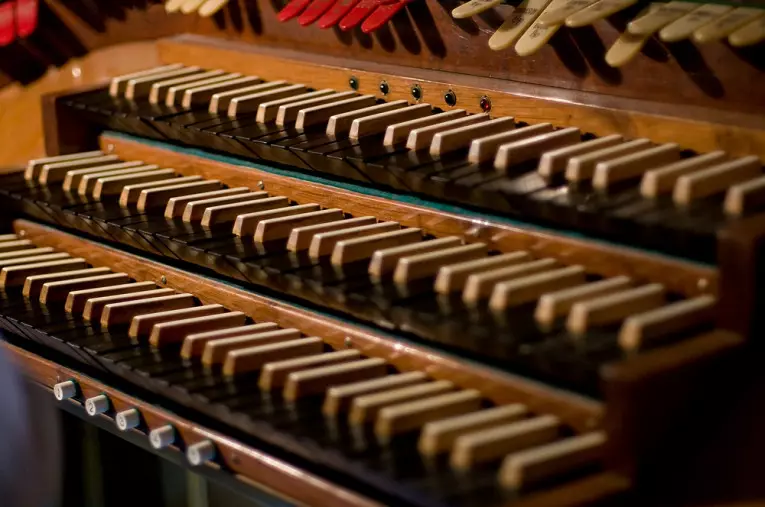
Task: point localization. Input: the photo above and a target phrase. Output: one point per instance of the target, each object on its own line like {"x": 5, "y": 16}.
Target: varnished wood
{"x": 170, "y": 333}
{"x": 216, "y": 350}
{"x": 251, "y": 359}
{"x": 194, "y": 344}
{"x": 338, "y": 399}
{"x": 75, "y": 300}
{"x": 317, "y": 380}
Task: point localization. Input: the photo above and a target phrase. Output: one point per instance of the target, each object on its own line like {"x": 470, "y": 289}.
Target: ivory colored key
{"x": 59, "y": 290}
{"x": 143, "y": 323}
{"x": 480, "y": 285}
{"x": 269, "y": 111}
{"x": 525, "y": 468}
{"x": 316, "y": 115}
{"x": 357, "y": 249}
{"x": 175, "y": 94}
{"x": 88, "y": 182}
{"x": 558, "y": 15}
{"x": 745, "y": 197}
{"x": 195, "y": 210}
{"x": 201, "y": 95}
{"x": 366, "y": 407}
{"x": 176, "y": 205}
{"x": 173, "y": 5}
{"x": 439, "y": 436}
{"x": 118, "y": 84}
{"x": 422, "y": 137}
{"x": 114, "y": 185}
{"x": 158, "y": 197}
{"x": 662, "y": 179}
{"x": 426, "y": 265}
{"x": 288, "y": 113}
{"x": 452, "y": 278}
{"x": 531, "y": 148}
{"x": 625, "y": 48}
{"x": 13, "y": 276}
{"x": 340, "y": 124}
{"x": 215, "y": 351}
{"x": 473, "y": 8}
{"x": 250, "y": 103}
{"x": 170, "y": 333}
{"x": 339, "y": 398}
{"x": 749, "y": 34}
{"x": 280, "y": 228}
{"x": 74, "y": 177}
{"x": 660, "y": 17}
{"x": 727, "y": 24}
{"x": 516, "y": 24}
{"x": 75, "y": 301}
{"x": 33, "y": 259}
{"x": 461, "y": 137}
{"x": 251, "y": 359}
{"x": 194, "y": 344}
{"x": 301, "y": 384}
{"x": 301, "y": 237}
{"x": 684, "y": 27}
{"x": 409, "y": 416}
{"x": 715, "y": 179}
{"x": 190, "y": 6}
{"x": 324, "y": 243}
{"x": 33, "y": 284}
{"x": 633, "y": 165}
{"x": 19, "y": 244}
{"x": 494, "y": 443}
{"x": 553, "y": 162}
{"x": 95, "y": 305}
{"x": 32, "y": 171}
{"x": 124, "y": 311}
{"x": 246, "y": 224}
{"x": 597, "y": 11}
{"x": 525, "y": 290}
{"x": 131, "y": 193}
{"x": 384, "y": 261}
{"x": 54, "y": 173}
{"x": 210, "y": 7}
{"x": 171, "y": 91}
{"x": 654, "y": 326}
{"x": 378, "y": 123}
{"x": 141, "y": 87}
{"x": 399, "y": 132}
{"x": 27, "y": 252}
{"x": 539, "y": 34}
{"x": 8, "y": 237}
{"x": 274, "y": 374}
{"x": 220, "y": 102}
{"x": 485, "y": 148}
{"x": 582, "y": 167}
{"x": 613, "y": 308}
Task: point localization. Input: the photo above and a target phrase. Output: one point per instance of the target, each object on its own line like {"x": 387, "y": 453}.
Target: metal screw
{"x": 450, "y": 98}
{"x": 163, "y": 279}
{"x": 384, "y": 88}
{"x": 416, "y": 92}
{"x": 702, "y": 284}
{"x": 485, "y": 104}
{"x": 261, "y": 185}
{"x": 353, "y": 82}
{"x": 22, "y": 233}
{"x": 348, "y": 343}
{"x": 109, "y": 148}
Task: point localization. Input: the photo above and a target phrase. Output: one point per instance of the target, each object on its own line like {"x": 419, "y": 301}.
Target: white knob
{"x": 65, "y": 390}
{"x": 97, "y": 405}
{"x": 162, "y": 437}
{"x": 201, "y": 452}
{"x": 128, "y": 419}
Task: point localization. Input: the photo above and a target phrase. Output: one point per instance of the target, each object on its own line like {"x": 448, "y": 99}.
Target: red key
{"x": 315, "y": 11}
{"x": 7, "y": 24}
{"x": 336, "y": 13}
{"x": 26, "y": 17}
{"x": 358, "y": 14}
{"x": 382, "y": 15}
{"x": 292, "y": 9}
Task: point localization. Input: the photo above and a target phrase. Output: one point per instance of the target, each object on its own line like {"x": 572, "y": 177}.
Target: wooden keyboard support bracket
{"x": 64, "y": 131}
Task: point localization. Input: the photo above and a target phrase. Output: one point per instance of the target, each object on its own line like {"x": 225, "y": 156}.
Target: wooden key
{"x": 422, "y": 137}
{"x": 539, "y": 34}
{"x": 727, "y": 24}
{"x": 399, "y": 132}
{"x": 32, "y": 171}
{"x": 94, "y": 306}
{"x": 281, "y": 228}
{"x": 156, "y": 89}
{"x": 76, "y": 299}
{"x": 176, "y": 205}
{"x": 246, "y": 224}
{"x": 357, "y": 249}
{"x": 301, "y": 237}
{"x": 582, "y": 167}
{"x": 715, "y": 179}
{"x": 340, "y": 124}
{"x": 144, "y": 322}
{"x": 158, "y": 197}
{"x": 118, "y": 84}
{"x": 73, "y": 177}
{"x": 494, "y": 443}
{"x": 531, "y": 148}
{"x": 426, "y": 265}
{"x": 316, "y": 115}
{"x": 174, "y": 93}
{"x": 141, "y": 87}
{"x": 654, "y": 326}
{"x": 33, "y": 285}
{"x": 684, "y": 27}
{"x": 215, "y": 351}
{"x": 525, "y": 290}
{"x": 171, "y": 333}
{"x": 33, "y": 258}
{"x": 269, "y": 111}
{"x": 16, "y": 245}
{"x": 366, "y": 407}
{"x": 473, "y": 8}
{"x": 301, "y": 384}
{"x": 525, "y": 468}
{"x": 516, "y": 24}
{"x": 246, "y": 360}
{"x": 250, "y": 103}
{"x": 201, "y": 95}
{"x": 131, "y": 193}
{"x": 54, "y": 173}
{"x": 554, "y": 162}
{"x": 114, "y": 185}
{"x": 88, "y": 182}
{"x": 452, "y": 278}
{"x": 56, "y": 286}
{"x": 660, "y": 17}
{"x": 662, "y": 180}
{"x": 194, "y": 344}
{"x": 13, "y": 276}
{"x": 339, "y": 398}
{"x": 460, "y": 138}
{"x": 221, "y": 102}
{"x": 633, "y": 165}
{"x": 748, "y": 35}
{"x": 745, "y": 197}
{"x": 613, "y": 308}
{"x": 288, "y": 113}
{"x": 480, "y": 285}
{"x": 275, "y": 374}
{"x": 439, "y": 436}
{"x": 123, "y": 312}
{"x": 597, "y": 11}
{"x": 384, "y": 261}
{"x": 558, "y": 15}
{"x": 324, "y": 243}
{"x": 485, "y": 148}
{"x": 378, "y": 123}
{"x": 26, "y": 252}
{"x": 195, "y": 210}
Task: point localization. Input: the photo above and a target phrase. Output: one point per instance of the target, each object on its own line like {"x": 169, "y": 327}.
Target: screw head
{"x": 353, "y": 82}
{"x": 450, "y": 98}
{"x": 416, "y": 92}
{"x": 348, "y": 342}
{"x": 384, "y": 88}
{"x": 163, "y": 279}
{"x": 261, "y": 185}
{"x": 485, "y": 104}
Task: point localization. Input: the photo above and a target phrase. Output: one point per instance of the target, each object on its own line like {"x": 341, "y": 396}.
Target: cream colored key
{"x": 633, "y": 165}
{"x": 141, "y": 87}
{"x": 625, "y": 48}
{"x": 27, "y": 252}
{"x": 54, "y": 173}
{"x": 539, "y": 34}
{"x": 189, "y": 6}
{"x": 171, "y": 333}
{"x": 246, "y": 224}
{"x": 156, "y": 89}
{"x": 194, "y": 344}
{"x": 480, "y": 285}
{"x": 94, "y": 306}
{"x": 402, "y": 418}
{"x": 422, "y": 137}
{"x": 8, "y": 237}
{"x": 268, "y": 111}
{"x": 684, "y": 27}
{"x": 75, "y": 301}
{"x": 14, "y": 246}
{"x": 613, "y": 308}
{"x": 727, "y": 24}
{"x": 715, "y": 179}
{"x": 215, "y": 351}
{"x": 13, "y": 276}
{"x": 124, "y": 311}
{"x": 514, "y": 26}
{"x": 118, "y": 84}
{"x": 660, "y": 17}
{"x": 323, "y": 244}
{"x": 131, "y": 193}
{"x": 301, "y": 237}
{"x": 59, "y": 290}
{"x": 425, "y": 265}
{"x": 32, "y": 171}
{"x": 250, "y": 103}
{"x": 174, "y": 93}
{"x": 452, "y": 278}
{"x": 340, "y": 124}
{"x": 494, "y": 443}
{"x": 33, "y": 284}
{"x": 203, "y": 94}
{"x": 73, "y": 177}
{"x": 210, "y": 7}
{"x": 366, "y": 407}
{"x": 33, "y": 258}
{"x": 531, "y": 148}
{"x": 558, "y": 15}
{"x": 745, "y": 197}
{"x": 525, "y": 290}
{"x": 144, "y": 322}
{"x": 652, "y": 327}
{"x": 461, "y": 137}
{"x": 582, "y": 167}
{"x": 485, "y": 148}
{"x": 378, "y": 123}
{"x": 176, "y": 205}
{"x": 246, "y": 360}
{"x": 195, "y": 210}
{"x": 439, "y": 436}
{"x": 556, "y": 304}
{"x": 399, "y": 132}
{"x": 384, "y": 261}
{"x": 357, "y": 249}
{"x": 301, "y": 384}
{"x": 288, "y": 113}
{"x": 114, "y": 185}
{"x": 662, "y": 180}
{"x": 274, "y": 374}
{"x": 597, "y": 11}
{"x": 525, "y": 468}
{"x": 172, "y": 6}
{"x": 339, "y": 398}
{"x": 473, "y": 8}
{"x": 317, "y": 115}
{"x": 158, "y": 197}
{"x": 220, "y": 102}
{"x": 88, "y": 182}
{"x": 749, "y": 34}
{"x": 281, "y": 228}
{"x": 554, "y": 162}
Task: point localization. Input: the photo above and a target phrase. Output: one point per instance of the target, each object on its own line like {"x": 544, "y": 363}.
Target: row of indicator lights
{"x": 18, "y": 19}
{"x": 159, "y": 438}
